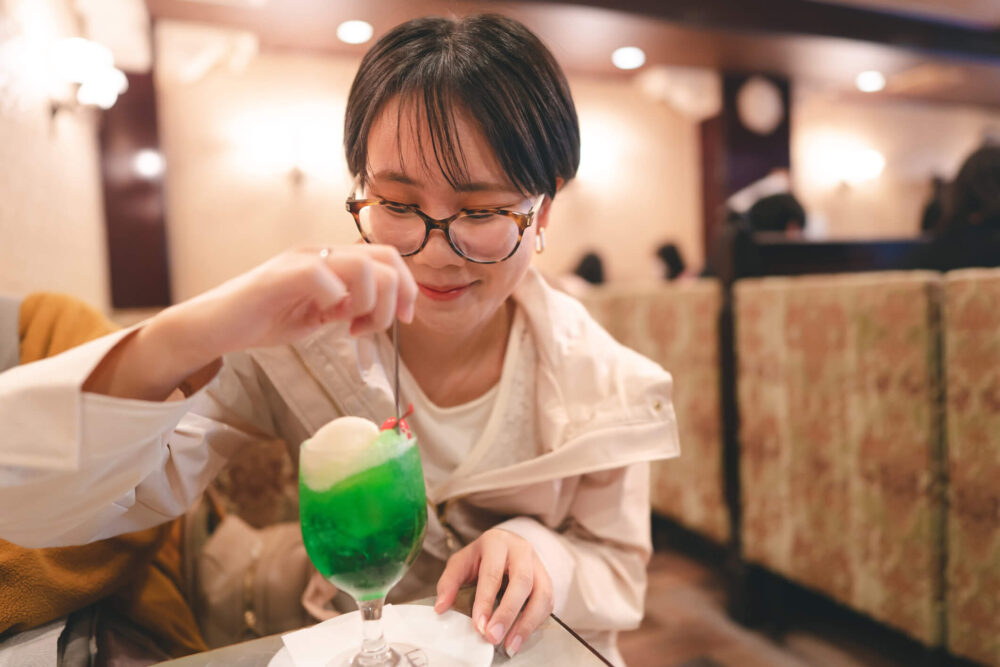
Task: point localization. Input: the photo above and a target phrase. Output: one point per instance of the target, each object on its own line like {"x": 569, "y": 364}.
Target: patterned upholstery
{"x": 972, "y": 362}
{"x": 840, "y": 439}
{"x": 260, "y": 484}
{"x": 676, "y": 325}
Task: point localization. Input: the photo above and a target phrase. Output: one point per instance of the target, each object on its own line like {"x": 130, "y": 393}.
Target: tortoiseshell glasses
{"x": 481, "y": 235}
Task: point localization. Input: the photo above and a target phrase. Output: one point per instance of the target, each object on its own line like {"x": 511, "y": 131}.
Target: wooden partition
{"x": 676, "y": 325}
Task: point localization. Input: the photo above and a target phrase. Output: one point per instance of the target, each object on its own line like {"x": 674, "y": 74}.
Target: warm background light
{"x": 354, "y": 32}
{"x": 836, "y": 157}
{"x": 148, "y": 163}
{"x": 870, "y": 81}
{"x": 628, "y": 57}
{"x": 76, "y": 60}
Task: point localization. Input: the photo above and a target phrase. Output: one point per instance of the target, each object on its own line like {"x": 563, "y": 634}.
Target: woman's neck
{"x": 452, "y": 371}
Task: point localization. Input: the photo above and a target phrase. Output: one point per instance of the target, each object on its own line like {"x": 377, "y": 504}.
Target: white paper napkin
{"x": 448, "y": 639}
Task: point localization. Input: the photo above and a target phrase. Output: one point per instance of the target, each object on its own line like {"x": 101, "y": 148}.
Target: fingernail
{"x": 514, "y": 645}
{"x": 496, "y": 633}
{"x": 481, "y": 624}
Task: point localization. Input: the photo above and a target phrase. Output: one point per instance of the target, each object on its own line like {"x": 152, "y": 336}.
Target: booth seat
{"x": 841, "y": 462}
{"x": 676, "y": 325}
{"x": 972, "y": 363}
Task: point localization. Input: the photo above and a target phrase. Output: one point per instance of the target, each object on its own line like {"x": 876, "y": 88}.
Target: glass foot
{"x": 398, "y": 655}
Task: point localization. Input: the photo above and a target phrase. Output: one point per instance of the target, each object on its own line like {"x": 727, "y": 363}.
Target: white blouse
{"x": 456, "y": 438}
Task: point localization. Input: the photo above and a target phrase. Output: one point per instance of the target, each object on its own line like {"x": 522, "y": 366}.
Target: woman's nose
{"x": 437, "y": 252}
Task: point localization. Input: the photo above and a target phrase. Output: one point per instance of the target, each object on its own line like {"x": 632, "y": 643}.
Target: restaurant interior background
{"x": 225, "y": 147}
{"x": 249, "y": 103}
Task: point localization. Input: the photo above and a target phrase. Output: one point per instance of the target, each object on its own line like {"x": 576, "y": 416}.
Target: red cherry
{"x": 401, "y": 425}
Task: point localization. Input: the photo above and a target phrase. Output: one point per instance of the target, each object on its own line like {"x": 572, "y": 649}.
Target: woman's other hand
{"x": 526, "y": 602}
{"x": 278, "y": 302}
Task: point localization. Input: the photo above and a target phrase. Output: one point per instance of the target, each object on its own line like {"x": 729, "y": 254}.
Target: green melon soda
{"x": 363, "y": 507}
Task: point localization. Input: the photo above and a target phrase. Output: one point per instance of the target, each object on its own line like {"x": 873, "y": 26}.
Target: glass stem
{"x": 374, "y": 649}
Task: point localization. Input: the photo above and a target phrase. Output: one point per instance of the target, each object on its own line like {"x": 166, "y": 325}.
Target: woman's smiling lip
{"x": 443, "y": 292}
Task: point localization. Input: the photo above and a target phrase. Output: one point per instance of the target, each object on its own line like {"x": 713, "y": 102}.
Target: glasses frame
{"x": 522, "y": 220}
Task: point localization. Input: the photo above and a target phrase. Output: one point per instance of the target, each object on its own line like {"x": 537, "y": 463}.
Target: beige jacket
{"x": 579, "y": 494}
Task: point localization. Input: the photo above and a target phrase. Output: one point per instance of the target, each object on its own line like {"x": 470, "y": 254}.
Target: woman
{"x": 534, "y": 426}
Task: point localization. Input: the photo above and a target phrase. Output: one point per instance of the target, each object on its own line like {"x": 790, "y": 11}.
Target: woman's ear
{"x": 543, "y": 211}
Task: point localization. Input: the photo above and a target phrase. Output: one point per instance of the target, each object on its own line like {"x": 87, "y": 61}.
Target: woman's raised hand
{"x": 298, "y": 291}
{"x": 278, "y": 302}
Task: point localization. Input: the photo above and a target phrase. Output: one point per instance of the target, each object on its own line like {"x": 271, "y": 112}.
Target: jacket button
{"x": 657, "y": 405}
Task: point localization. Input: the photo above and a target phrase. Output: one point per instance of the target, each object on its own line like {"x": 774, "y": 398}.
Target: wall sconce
{"x": 834, "y": 158}
{"x": 86, "y": 74}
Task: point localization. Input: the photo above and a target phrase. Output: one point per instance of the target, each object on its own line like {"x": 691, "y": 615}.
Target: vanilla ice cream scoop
{"x": 344, "y": 447}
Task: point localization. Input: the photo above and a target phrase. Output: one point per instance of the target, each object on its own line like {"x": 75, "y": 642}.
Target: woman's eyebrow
{"x": 469, "y": 186}
{"x": 394, "y": 176}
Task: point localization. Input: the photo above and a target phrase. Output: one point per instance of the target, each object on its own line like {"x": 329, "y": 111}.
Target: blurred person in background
{"x": 124, "y": 592}
{"x": 969, "y": 235}
{"x": 933, "y": 213}
{"x": 460, "y": 134}
{"x": 671, "y": 260}
{"x": 779, "y": 213}
{"x": 735, "y": 254}
{"x": 590, "y": 268}
{"x": 587, "y": 274}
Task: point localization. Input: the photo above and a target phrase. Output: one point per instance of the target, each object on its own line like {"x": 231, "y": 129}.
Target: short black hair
{"x": 975, "y": 195}
{"x": 591, "y": 268}
{"x": 488, "y": 65}
{"x": 672, "y": 260}
{"x": 774, "y": 212}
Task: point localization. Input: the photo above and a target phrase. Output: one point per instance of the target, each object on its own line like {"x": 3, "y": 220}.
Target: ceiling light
{"x": 628, "y": 57}
{"x": 355, "y": 32}
{"x": 870, "y": 81}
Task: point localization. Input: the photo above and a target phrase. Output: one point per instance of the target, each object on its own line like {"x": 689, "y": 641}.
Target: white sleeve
{"x": 77, "y": 467}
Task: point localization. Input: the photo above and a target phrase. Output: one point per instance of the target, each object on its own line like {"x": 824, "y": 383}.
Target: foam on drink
{"x": 344, "y": 447}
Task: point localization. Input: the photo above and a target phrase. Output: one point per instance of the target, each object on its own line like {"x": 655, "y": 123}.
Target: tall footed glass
{"x": 363, "y": 513}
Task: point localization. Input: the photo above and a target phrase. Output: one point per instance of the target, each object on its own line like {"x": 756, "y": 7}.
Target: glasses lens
{"x": 392, "y": 225}
{"x": 486, "y": 238}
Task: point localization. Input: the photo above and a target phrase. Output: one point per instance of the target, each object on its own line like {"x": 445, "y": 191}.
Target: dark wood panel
{"x": 818, "y": 18}
{"x": 791, "y": 258}
{"x": 134, "y": 204}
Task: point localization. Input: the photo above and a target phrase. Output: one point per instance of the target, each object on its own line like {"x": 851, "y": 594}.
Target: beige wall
{"x": 917, "y": 141}
{"x": 231, "y": 138}
{"x": 639, "y": 184}
{"x": 51, "y": 214}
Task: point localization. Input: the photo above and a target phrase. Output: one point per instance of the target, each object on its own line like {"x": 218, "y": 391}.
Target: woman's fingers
{"x": 527, "y": 600}
{"x": 357, "y": 271}
{"x": 539, "y": 606}
{"x": 492, "y": 565}
{"x": 379, "y": 285}
{"x": 407, "y": 286}
{"x": 459, "y": 570}
{"x": 520, "y": 583}
{"x": 384, "y": 308}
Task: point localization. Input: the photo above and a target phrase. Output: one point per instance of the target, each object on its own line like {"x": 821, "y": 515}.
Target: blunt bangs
{"x": 486, "y": 66}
